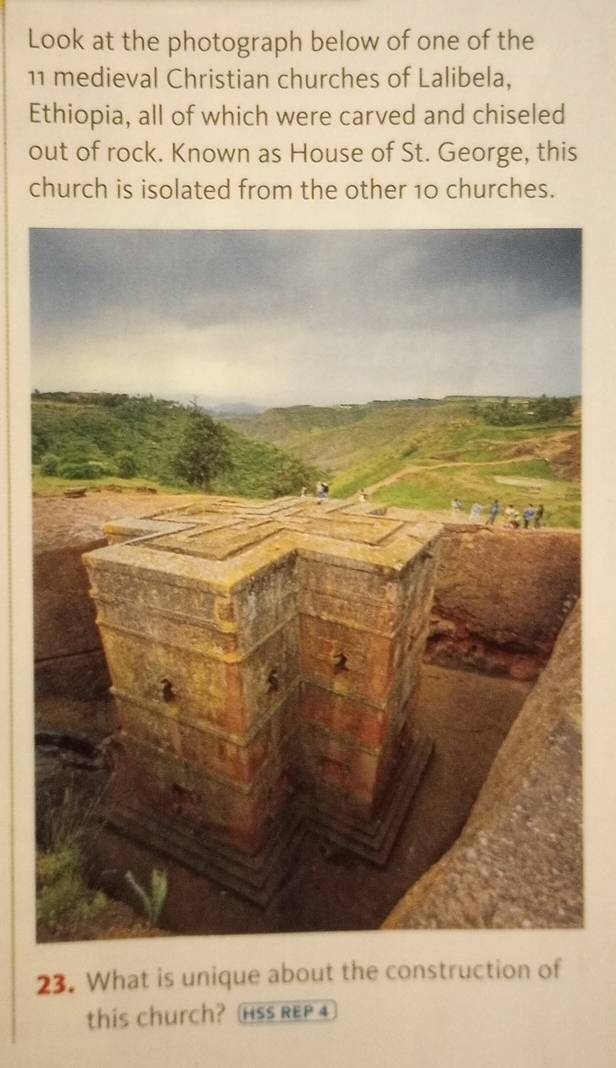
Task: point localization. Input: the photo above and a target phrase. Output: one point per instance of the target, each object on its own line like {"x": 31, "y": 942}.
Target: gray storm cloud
{"x": 317, "y": 317}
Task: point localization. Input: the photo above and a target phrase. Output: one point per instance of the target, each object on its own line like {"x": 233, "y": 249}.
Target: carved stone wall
{"x": 262, "y": 651}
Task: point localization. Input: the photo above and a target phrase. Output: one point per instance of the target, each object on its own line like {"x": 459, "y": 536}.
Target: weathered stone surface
{"x": 64, "y": 617}
{"x": 67, "y": 647}
{"x": 501, "y": 597}
{"x": 466, "y": 714}
{"x": 81, "y": 676}
{"x": 219, "y": 618}
{"x": 67, "y": 653}
{"x": 518, "y": 861}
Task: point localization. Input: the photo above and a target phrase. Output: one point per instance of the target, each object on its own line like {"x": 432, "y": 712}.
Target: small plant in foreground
{"x": 154, "y": 901}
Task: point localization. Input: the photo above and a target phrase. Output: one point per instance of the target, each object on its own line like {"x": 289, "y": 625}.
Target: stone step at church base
{"x": 374, "y": 839}
{"x": 255, "y": 878}
{"x": 258, "y": 877}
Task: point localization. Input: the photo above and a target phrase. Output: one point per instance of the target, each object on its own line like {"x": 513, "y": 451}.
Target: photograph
{"x": 306, "y": 573}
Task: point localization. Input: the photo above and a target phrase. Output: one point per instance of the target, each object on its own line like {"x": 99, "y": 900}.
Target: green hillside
{"x": 412, "y": 453}
{"x": 92, "y": 437}
{"x": 342, "y": 436}
{"x": 427, "y": 452}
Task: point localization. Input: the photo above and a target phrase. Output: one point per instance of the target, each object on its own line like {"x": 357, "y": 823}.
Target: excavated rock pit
{"x": 500, "y": 598}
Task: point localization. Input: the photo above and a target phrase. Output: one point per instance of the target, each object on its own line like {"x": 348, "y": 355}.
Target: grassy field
{"x": 425, "y": 443}
{"x": 434, "y": 489}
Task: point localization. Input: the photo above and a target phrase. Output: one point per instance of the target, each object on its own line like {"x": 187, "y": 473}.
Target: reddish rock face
{"x": 518, "y": 862}
{"x": 257, "y": 650}
{"x": 501, "y": 597}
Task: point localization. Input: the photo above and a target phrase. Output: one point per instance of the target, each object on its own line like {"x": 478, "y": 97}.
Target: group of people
{"x": 532, "y": 516}
{"x": 321, "y": 492}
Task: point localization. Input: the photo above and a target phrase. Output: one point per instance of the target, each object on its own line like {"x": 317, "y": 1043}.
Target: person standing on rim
{"x": 529, "y": 515}
{"x": 456, "y": 509}
{"x": 494, "y": 512}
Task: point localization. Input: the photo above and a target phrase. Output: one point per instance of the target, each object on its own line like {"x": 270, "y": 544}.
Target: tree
{"x": 551, "y": 408}
{"x": 203, "y": 451}
{"x": 542, "y": 410}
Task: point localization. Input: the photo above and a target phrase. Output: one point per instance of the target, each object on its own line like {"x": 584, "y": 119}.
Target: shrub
{"x": 54, "y": 865}
{"x": 62, "y": 893}
{"x": 50, "y": 464}
{"x": 66, "y": 897}
{"x": 126, "y": 464}
{"x": 86, "y": 469}
{"x": 63, "y": 898}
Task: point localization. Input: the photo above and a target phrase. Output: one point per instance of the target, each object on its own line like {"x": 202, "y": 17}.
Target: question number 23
{"x": 54, "y": 984}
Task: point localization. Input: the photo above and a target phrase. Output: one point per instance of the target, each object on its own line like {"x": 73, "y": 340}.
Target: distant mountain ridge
{"x": 230, "y": 409}
{"x": 342, "y": 436}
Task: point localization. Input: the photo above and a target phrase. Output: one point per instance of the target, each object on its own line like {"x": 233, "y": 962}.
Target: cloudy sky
{"x": 313, "y": 317}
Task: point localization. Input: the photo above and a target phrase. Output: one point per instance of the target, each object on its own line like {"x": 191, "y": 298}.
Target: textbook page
{"x": 308, "y": 310}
